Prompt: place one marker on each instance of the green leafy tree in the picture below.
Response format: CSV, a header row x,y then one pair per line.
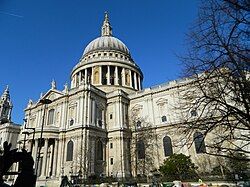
x,y
178,166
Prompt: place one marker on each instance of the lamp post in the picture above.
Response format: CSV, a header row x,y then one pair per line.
x,y
28,133
45,102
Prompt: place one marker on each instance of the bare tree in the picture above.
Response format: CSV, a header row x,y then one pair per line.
x,y
217,100
143,145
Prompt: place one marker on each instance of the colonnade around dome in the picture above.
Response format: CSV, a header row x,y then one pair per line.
x,y
107,75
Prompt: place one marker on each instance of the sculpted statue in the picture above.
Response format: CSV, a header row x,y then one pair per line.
x,y
26,176
53,84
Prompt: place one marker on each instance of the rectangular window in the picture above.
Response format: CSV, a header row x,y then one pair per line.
x,y
111,161
51,116
110,116
111,145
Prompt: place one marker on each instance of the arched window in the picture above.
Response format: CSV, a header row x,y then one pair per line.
x,y
71,122
99,150
51,116
199,143
167,144
70,147
140,149
127,78
138,124
96,77
99,112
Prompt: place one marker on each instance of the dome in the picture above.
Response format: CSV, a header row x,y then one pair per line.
x,y
106,63
106,43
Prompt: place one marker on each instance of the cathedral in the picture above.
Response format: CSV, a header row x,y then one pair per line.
x,y
103,123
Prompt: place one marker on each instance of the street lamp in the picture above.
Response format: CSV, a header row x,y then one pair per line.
x,y
45,102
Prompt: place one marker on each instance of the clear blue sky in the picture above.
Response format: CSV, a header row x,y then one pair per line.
x,y
42,40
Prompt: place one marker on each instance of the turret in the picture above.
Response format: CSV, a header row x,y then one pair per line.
x,y
5,107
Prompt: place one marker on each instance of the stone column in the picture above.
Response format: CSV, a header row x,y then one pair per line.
x,y
92,75
58,162
43,173
117,103
121,113
93,112
50,163
108,81
34,154
100,75
135,80
86,76
116,75
139,82
80,77
85,108
54,168
130,78
92,160
89,112
123,77
76,80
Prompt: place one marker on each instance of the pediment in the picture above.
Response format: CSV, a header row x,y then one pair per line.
x,y
53,94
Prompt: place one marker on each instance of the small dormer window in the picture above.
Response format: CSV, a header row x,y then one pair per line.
x,y
164,118
193,113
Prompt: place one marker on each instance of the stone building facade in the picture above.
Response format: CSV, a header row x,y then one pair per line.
x,y
89,128
9,131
